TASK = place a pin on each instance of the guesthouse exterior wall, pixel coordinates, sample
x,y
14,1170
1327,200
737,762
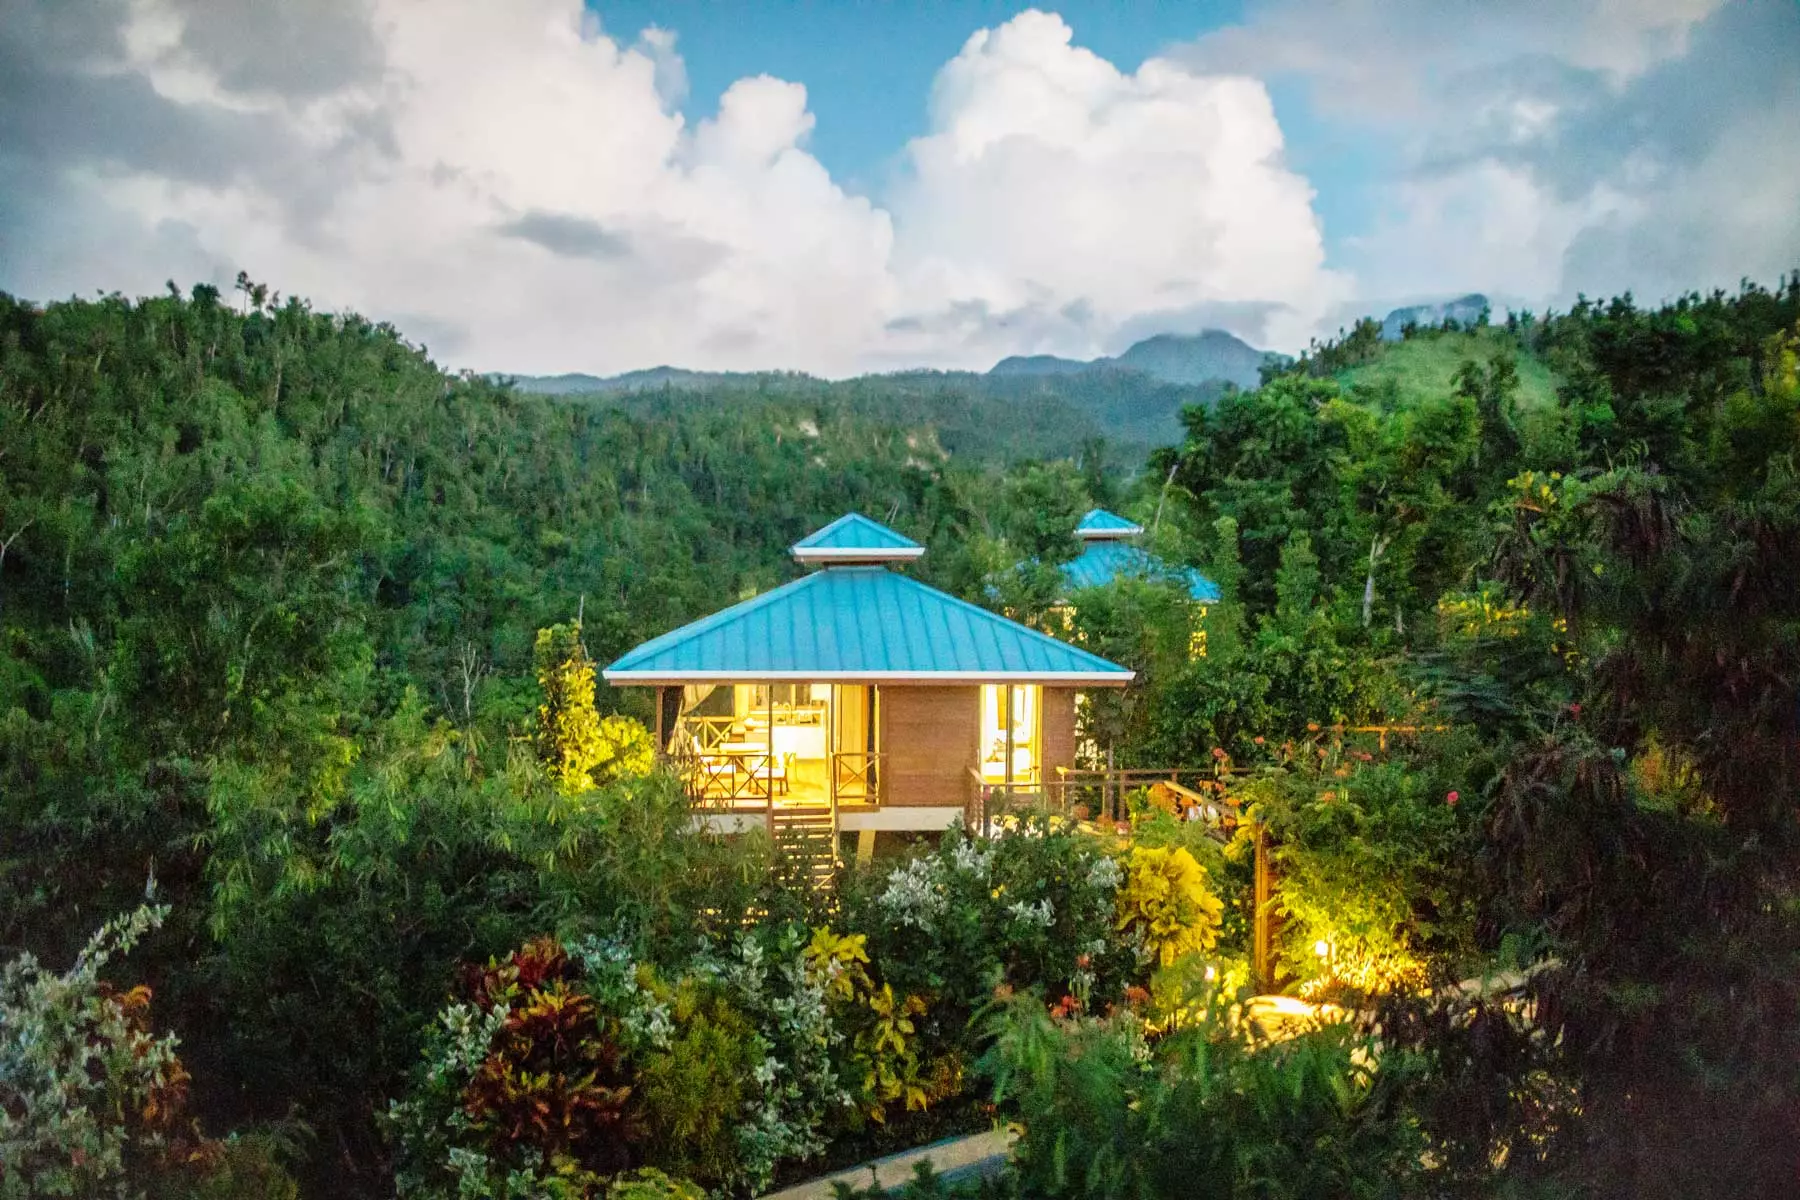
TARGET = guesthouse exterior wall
x,y
928,738
1058,730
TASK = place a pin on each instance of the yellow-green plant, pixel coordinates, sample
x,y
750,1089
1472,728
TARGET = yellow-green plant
x,y
648,1183
839,963
694,1093
626,748
888,1052
1168,904
570,740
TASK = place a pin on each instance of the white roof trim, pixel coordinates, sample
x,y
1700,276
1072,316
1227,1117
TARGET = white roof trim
x,y
856,553
1097,678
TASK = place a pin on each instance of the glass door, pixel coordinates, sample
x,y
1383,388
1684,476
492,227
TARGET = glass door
x,y
1010,735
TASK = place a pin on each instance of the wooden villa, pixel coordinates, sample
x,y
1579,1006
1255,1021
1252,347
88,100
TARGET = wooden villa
x,y
858,699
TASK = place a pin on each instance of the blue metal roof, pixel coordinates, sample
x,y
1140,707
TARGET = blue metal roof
x,y
860,623
1098,524
1104,561
855,537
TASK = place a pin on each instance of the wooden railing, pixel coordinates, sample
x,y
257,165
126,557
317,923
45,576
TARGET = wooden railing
x,y
709,732
720,779
856,776
989,801
1102,792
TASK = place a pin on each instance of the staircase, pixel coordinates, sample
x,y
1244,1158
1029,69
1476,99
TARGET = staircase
x,y
806,837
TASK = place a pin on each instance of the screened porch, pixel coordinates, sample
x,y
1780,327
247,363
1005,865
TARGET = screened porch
x,y
745,745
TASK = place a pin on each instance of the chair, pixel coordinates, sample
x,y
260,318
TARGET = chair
x,y
772,772
717,772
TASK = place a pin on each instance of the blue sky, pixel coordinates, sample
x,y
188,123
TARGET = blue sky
x,y
868,69
848,187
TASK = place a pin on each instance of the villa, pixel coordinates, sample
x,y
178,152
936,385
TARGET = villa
x,y
1109,553
858,699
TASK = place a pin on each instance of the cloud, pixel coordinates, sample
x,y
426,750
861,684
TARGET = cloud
x,y
567,235
1545,150
1050,177
519,184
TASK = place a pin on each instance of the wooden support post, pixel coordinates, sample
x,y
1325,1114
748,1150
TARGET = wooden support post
x,y
1262,936
865,846
662,738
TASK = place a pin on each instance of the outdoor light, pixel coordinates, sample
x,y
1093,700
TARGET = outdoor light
x,y
1322,948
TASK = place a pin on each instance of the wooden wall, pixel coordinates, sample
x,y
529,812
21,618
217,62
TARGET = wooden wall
x,y
1058,730
928,737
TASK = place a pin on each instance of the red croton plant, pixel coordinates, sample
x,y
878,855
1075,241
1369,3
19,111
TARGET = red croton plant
x,y
555,1078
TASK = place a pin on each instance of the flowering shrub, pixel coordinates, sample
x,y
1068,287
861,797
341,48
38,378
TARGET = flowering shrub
x,y
1166,904
92,1101
1033,911
568,1065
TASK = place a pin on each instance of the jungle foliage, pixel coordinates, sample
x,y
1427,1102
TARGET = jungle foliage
x,y
280,603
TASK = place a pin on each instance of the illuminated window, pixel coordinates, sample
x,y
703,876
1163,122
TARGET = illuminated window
x,y
1009,733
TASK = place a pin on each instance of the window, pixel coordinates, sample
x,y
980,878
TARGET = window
x,y
1009,733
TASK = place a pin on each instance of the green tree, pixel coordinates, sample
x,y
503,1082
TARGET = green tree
x,y
569,739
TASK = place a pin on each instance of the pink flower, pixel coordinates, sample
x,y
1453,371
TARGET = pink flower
x,y
1451,799
1218,753
1575,710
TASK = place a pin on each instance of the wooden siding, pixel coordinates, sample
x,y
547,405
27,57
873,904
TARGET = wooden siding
x,y
928,737
1058,730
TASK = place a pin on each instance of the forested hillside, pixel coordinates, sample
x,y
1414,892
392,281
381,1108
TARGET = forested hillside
x,y
272,587
996,419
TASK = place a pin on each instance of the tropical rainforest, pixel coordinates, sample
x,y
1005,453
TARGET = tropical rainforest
x,y
285,608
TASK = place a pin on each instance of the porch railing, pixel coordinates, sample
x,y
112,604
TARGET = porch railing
x,y
856,776
1101,793
990,801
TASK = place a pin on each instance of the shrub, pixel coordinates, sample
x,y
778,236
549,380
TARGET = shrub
x,y
694,1092
1201,1112
570,1064
1032,910
648,1183
1372,874
92,1100
1167,905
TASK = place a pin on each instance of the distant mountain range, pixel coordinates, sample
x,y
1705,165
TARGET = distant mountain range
x,y
639,381
1209,357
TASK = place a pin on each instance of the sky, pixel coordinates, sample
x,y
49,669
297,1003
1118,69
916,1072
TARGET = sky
x,y
544,186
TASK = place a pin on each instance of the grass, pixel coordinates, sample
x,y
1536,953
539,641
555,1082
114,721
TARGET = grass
x,y
1424,368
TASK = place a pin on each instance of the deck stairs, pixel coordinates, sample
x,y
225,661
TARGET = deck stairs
x,y
806,839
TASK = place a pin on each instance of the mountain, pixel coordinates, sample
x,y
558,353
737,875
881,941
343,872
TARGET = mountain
x,y
638,381
1201,358
1028,406
1212,356
1464,310
1039,364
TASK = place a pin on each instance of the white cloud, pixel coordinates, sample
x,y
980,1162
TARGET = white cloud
x,y
1050,180
1547,148
518,183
